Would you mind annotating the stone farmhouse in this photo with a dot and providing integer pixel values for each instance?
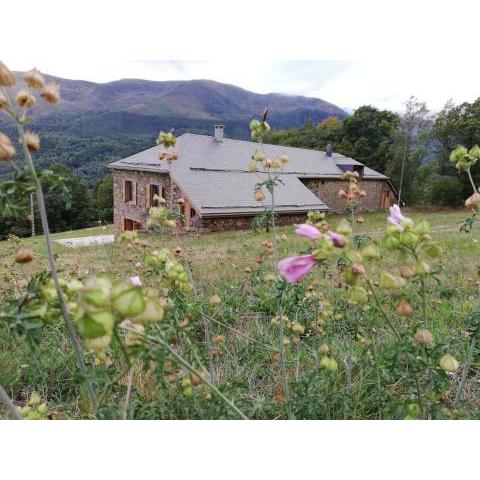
(218, 190)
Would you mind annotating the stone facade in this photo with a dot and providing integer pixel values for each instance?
(137, 209)
(379, 193)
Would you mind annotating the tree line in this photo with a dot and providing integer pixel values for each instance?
(411, 147)
(73, 207)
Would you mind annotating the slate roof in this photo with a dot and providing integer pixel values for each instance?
(215, 178)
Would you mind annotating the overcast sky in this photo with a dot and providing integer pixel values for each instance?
(348, 84)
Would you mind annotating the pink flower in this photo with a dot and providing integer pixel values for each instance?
(337, 239)
(308, 231)
(294, 269)
(135, 281)
(396, 216)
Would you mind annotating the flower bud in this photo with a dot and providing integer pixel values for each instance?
(448, 363)
(389, 281)
(32, 141)
(34, 79)
(422, 268)
(7, 79)
(51, 92)
(358, 269)
(130, 303)
(370, 252)
(358, 295)
(23, 255)
(423, 336)
(433, 250)
(98, 344)
(25, 99)
(344, 228)
(404, 309)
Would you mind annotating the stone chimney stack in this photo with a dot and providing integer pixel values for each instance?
(219, 132)
(329, 149)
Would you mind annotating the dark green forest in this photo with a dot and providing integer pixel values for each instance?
(78, 148)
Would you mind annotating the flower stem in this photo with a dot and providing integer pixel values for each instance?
(192, 369)
(469, 173)
(51, 260)
(16, 415)
(466, 368)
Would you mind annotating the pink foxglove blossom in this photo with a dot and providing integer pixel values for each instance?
(293, 269)
(135, 281)
(337, 239)
(308, 231)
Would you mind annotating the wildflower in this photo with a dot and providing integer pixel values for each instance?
(293, 269)
(135, 281)
(308, 231)
(23, 255)
(396, 217)
(423, 336)
(404, 309)
(448, 363)
(7, 78)
(32, 141)
(25, 99)
(337, 239)
(34, 79)
(51, 92)
(7, 151)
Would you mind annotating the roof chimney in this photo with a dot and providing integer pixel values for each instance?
(219, 132)
(329, 149)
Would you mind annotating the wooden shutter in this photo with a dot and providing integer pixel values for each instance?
(147, 196)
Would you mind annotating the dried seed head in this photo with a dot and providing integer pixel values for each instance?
(7, 151)
(32, 141)
(7, 79)
(25, 99)
(358, 269)
(34, 79)
(51, 92)
(259, 195)
(3, 101)
(23, 255)
(404, 272)
(404, 309)
(423, 336)
(473, 201)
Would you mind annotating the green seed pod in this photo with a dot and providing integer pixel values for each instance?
(389, 281)
(407, 237)
(448, 363)
(371, 252)
(422, 268)
(433, 250)
(358, 295)
(130, 303)
(154, 312)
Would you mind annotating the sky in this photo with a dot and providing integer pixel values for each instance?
(346, 83)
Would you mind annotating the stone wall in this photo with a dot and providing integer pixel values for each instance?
(243, 222)
(137, 209)
(327, 191)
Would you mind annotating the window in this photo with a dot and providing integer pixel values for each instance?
(192, 213)
(154, 190)
(131, 225)
(128, 191)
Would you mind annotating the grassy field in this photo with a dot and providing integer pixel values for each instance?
(233, 265)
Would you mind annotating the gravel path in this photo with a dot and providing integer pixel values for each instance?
(86, 241)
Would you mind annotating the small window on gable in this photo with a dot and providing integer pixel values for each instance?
(128, 191)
